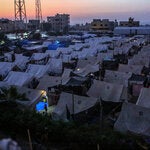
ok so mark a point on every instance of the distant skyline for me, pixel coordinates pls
(82, 11)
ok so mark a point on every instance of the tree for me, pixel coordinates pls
(11, 94)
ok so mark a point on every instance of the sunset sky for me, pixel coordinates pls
(82, 11)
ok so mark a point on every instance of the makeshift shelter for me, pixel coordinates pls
(136, 82)
(39, 58)
(21, 61)
(132, 31)
(37, 70)
(66, 74)
(33, 96)
(124, 49)
(144, 98)
(5, 68)
(48, 81)
(117, 77)
(104, 56)
(77, 85)
(83, 72)
(83, 62)
(37, 48)
(55, 66)
(53, 53)
(19, 78)
(136, 69)
(134, 119)
(73, 103)
(9, 56)
(107, 91)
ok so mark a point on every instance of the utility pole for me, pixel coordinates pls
(72, 105)
(38, 12)
(20, 11)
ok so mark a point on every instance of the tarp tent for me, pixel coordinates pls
(144, 98)
(55, 65)
(67, 101)
(83, 62)
(66, 74)
(33, 96)
(134, 119)
(83, 72)
(117, 77)
(5, 68)
(48, 81)
(106, 91)
(53, 53)
(39, 56)
(18, 78)
(136, 69)
(21, 61)
(124, 49)
(37, 70)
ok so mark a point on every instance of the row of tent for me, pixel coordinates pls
(113, 88)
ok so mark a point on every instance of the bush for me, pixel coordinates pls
(72, 135)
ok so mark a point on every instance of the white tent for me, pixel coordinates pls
(8, 56)
(144, 98)
(136, 69)
(55, 65)
(18, 78)
(21, 61)
(37, 70)
(103, 56)
(48, 81)
(66, 74)
(86, 70)
(53, 53)
(117, 77)
(33, 96)
(5, 68)
(67, 101)
(38, 56)
(107, 91)
(83, 62)
(134, 119)
(124, 49)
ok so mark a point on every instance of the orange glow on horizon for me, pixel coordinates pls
(81, 8)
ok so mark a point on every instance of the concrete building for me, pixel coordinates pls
(33, 24)
(81, 27)
(6, 25)
(129, 23)
(59, 22)
(132, 31)
(104, 25)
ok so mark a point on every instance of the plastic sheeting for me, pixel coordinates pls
(67, 101)
(37, 70)
(117, 77)
(5, 68)
(136, 69)
(134, 119)
(144, 98)
(18, 78)
(106, 91)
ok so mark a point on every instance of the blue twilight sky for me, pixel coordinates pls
(82, 11)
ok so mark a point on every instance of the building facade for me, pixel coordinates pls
(33, 24)
(59, 22)
(129, 23)
(104, 25)
(6, 25)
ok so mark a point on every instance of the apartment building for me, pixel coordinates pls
(129, 23)
(59, 22)
(104, 24)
